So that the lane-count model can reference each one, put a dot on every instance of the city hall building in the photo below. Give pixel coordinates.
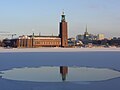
(44, 41)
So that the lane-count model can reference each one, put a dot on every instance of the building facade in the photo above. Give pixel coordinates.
(38, 41)
(33, 41)
(100, 37)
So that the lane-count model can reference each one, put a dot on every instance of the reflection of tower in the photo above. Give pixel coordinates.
(63, 72)
(63, 32)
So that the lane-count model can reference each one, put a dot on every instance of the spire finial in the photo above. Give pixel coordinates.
(63, 12)
(63, 16)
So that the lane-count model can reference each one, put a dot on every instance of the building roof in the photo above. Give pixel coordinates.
(38, 37)
(44, 36)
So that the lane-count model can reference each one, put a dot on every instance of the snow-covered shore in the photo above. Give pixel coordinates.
(56, 49)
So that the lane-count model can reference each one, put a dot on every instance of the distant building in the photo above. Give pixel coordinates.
(86, 38)
(30, 41)
(71, 42)
(100, 37)
(115, 42)
(80, 37)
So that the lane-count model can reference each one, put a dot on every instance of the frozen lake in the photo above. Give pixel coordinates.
(108, 58)
(59, 74)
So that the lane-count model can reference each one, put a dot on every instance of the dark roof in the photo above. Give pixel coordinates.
(44, 36)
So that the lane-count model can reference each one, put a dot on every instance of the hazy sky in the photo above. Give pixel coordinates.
(27, 16)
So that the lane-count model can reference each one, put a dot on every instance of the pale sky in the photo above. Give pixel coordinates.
(43, 16)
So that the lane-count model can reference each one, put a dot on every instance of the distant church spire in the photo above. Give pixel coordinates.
(86, 29)
(86, 34)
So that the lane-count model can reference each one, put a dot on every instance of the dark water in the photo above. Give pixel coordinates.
(59, 74)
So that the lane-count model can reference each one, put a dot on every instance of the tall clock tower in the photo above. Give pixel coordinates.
(63, 31)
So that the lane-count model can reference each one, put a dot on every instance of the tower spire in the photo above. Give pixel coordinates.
(63, 16)
(63, 12)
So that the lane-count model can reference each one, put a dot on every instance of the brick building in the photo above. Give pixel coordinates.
(44, 41)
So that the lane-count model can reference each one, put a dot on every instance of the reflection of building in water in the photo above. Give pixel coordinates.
(63, 72)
